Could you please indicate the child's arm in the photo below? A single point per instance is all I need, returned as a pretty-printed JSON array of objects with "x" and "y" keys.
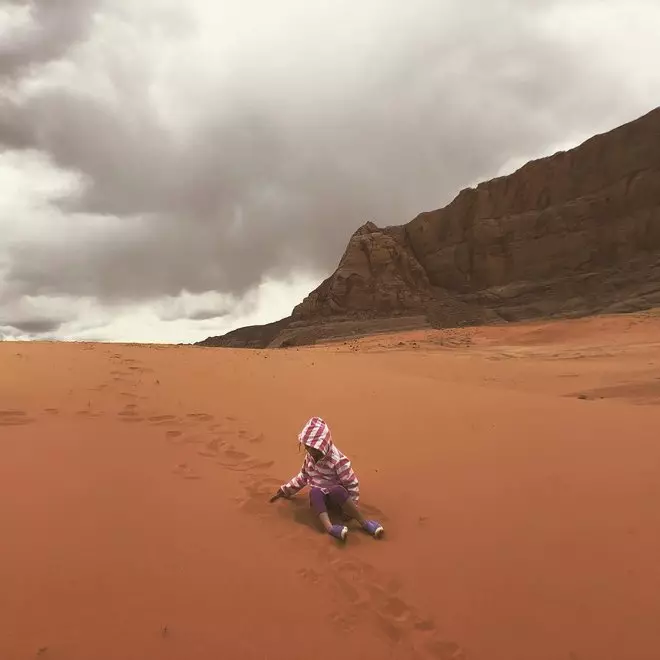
[
  {"x": 296, "y": 484},
  {"x": 348, "y": 479}
]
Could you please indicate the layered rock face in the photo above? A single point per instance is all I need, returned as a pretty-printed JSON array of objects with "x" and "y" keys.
[
  {"x": 558, "y": 228},
  {"x": 573, "y": 234},
  {"x": 377, "y": 276}
]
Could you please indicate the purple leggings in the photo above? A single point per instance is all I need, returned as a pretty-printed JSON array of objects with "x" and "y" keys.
[{"x": 335, "y": 498}]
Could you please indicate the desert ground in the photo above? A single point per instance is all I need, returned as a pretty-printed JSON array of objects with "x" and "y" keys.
[{"x": 516, "y": 471}]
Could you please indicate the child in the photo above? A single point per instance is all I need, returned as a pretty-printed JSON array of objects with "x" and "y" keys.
[{"x": 331, "y": 479}]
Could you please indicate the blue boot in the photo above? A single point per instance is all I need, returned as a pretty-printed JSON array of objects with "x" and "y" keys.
[
  {"x": 339, "y": 532},
  {"x": 374, "y": 528}
]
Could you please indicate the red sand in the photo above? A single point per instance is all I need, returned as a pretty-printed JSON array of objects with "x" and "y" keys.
[{"x": 522, "y": 522}]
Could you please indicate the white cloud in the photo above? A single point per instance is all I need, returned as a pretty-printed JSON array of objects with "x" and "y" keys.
[{"x": 166, "y": 320}]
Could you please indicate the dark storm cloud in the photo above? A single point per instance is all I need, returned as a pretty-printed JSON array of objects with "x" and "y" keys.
[
  {"x": 207, "y": 315},
  {"x": 55, "y": 26},
  {"x": 270, "y": 178},
  {"x": 32, "y": 326}
]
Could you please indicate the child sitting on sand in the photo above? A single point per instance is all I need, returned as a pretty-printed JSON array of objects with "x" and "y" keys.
[{"x": 331, "y": 479}]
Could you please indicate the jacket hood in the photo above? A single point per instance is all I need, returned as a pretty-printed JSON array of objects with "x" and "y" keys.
[{"x": 316, "y": 434}]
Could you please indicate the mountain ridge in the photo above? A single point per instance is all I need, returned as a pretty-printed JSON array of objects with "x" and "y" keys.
[{"x": 571, "y": 234}]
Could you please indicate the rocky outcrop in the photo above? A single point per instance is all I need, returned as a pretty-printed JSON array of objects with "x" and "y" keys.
[
  {"x": 377, "y": 276},
  {"x": 573, "y": 234},
  {"x": 253, "y": 336}
]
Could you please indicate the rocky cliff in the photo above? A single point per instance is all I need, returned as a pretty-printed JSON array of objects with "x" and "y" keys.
[{"x": 573, "y": 234}]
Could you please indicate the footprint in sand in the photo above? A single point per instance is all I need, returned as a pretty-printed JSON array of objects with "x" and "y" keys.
[
  {"x": 310, "y": 575},
  {"x": 140, "y": 370},
  {"x": 164, "y": 420},
  {"x": 200, "y": 417},
  {"x": 234, "y": 455},
  {"x": 239, "y": 461},
  {"x": 184, "y": 471},
  {"x": 130, "y": 414},
  {"x": 14, "y": 418},
  {"x": 132, "y": 420},
  {"x": 212, "y": 448}
]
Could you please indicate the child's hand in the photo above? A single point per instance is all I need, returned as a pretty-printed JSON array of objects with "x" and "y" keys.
[{"x": 277, "y": 495}]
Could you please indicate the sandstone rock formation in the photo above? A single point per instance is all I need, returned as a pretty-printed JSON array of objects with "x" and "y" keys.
[
  {"x": 572, "y": 234},
  {"x": 377, "y": 276}
]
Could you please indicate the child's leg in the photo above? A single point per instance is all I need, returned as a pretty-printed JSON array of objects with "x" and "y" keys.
[
  {"x": 350, "y": 509},
  {"x": 342, "y": 500},
  {"x": 318, "y": 503},
  {"x": 339, "y": 496}
]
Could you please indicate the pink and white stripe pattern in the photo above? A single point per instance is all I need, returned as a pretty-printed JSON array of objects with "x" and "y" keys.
[{"x": 334, "y": 469}]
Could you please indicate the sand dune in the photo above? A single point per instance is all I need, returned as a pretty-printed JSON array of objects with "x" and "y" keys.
[{"x": 515, "y": 470}]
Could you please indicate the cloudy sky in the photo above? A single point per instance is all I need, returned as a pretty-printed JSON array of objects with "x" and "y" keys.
[{"x": 172, "y": 170}]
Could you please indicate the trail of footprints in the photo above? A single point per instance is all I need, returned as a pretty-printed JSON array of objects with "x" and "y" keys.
[
  {"x": 371, "y": 596},
  {"x": 368, "y": 595},
  {"x": 126, "y": 373}
]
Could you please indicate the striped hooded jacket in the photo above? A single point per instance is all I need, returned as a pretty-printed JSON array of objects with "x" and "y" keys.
[{"x": 334, "y": 469}]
